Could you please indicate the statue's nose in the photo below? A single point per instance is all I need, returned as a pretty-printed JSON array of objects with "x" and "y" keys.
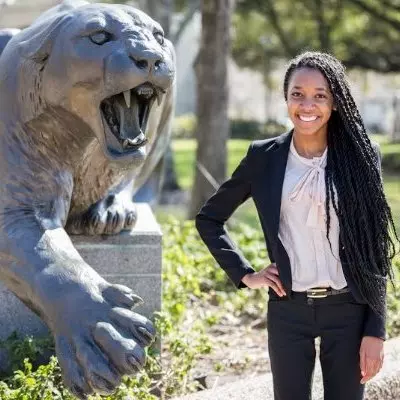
[{"x": 146, "y": 60}]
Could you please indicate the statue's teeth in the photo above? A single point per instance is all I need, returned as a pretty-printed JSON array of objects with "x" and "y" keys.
[
  {"x": 138, "y": 139},
  {"x": 127, "y": 95},
  {"x": 159, "y": 98},
  {"x": 134, "y": 142},
  {"x": 145, "y": 92}
]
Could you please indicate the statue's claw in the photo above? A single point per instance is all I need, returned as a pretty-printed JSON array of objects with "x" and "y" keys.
[
  {"x": 122, "y": 296},
  {"x": 107, "y": 217},
  {"x": 112, "y": 215}
]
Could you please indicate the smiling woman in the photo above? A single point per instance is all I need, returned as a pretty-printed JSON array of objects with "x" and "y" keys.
[{"x": 327, "y": 225}]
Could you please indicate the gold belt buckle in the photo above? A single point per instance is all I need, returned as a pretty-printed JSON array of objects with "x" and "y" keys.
[{"x": 317, "y": 293}]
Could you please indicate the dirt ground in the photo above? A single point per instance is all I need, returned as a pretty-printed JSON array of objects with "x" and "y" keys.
[{"x": 239, "y": 351}]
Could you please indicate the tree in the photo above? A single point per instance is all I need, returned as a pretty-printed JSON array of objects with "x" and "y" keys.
[
  {"x": 362, "y": 33},
  {"x": 395, "y": 134},
  {"x": 212, "y": 100}
]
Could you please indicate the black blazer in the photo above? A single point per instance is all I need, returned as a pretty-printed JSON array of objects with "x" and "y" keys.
[{"x": 260, "y": 175}]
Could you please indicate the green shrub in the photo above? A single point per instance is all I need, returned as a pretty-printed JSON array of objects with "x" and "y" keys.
[
  {"x": 156, "y": 380},
  {"x": 273, "y": 128},
  {"x": 184, "y": 126},
  {"x": 246, "y": 129},
  {"x": 391, "y": 162},
  {"x": 390, "y": 153},
  {"x": 37, "y": 350},
  {"x": 253, "y": 130}
]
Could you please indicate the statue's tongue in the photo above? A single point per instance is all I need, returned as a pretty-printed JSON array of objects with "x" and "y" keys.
[{"x": 128, "y": 118}]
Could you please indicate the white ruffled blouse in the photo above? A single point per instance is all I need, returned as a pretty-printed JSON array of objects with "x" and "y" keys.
[{"x": 302, "y": 227}]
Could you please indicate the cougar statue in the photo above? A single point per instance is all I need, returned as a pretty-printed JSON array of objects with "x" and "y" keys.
[{"x": 86, "y": 99}]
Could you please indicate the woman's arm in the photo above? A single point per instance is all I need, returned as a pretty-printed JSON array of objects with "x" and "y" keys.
[
  {"x": 371, "y": 348},
  {"x": 211, "y": 219},
  {"x": 375, "y": 323}
]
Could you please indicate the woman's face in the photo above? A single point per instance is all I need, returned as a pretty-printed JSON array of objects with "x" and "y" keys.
[{"x": 309, "y": 102}]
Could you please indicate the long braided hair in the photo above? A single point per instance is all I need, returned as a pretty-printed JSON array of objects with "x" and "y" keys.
[{"x": 354, "y": 186}]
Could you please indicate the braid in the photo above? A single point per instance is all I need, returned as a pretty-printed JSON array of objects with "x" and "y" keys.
[{"x": 354, "y": 186}]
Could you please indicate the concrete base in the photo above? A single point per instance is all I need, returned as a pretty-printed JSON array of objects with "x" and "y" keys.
[
  {"x": 130, "y": 258},
  {"x": 384, "y": 386}
]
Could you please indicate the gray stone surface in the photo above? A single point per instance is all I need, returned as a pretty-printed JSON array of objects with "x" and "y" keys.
[
  {"x": 384, "y": 386},
  {"x": 130, "y": 258}
]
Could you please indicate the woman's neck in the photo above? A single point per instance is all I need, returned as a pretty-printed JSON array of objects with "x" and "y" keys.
[{"x": 310, "y": 146}]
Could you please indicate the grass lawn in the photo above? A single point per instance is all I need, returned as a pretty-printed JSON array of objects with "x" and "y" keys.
[
  {"x": 386, "y": 147},
  {"x": 392, "y": 190},
  {"x": 185, "y": 153}
]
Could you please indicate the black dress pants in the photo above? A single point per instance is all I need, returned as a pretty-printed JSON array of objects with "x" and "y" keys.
[{"x": 293, "y": 325}]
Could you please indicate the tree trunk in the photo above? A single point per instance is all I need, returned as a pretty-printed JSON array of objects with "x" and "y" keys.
[
  {"x": 212, "y": 100},
  {"x": 396, "y": 121},
  {"x": 323, "y": 27},
  {"x": 161, "y": 11}
]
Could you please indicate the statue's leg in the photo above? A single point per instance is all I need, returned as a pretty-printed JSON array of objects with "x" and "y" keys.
[
  {"x": 111, "y": 215},
  {"x": 150, "y": 191},
  {"x": 98, "y": 337}
]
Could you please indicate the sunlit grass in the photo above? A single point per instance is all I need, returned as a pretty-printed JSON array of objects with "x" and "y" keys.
[
  {"x": 185, "y": 156},
  {"x": 392, "y": 190}
]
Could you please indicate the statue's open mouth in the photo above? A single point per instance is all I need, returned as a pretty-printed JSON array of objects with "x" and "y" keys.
[{"x": 127, "y": 113}]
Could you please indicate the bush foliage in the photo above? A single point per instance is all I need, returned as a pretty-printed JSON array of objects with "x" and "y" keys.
[{"x": 184, "y": 127}]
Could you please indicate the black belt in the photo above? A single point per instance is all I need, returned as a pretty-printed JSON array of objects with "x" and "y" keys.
[
  {"x": 322, "y": 296},
  {"x": 321, "y": 292}
]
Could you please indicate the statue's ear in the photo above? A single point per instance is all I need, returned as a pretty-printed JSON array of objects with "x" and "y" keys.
[
  {"x": 40, "y": 38},
  {"x": 5, "y": 36},
  {"x": 34, "y": 50}
]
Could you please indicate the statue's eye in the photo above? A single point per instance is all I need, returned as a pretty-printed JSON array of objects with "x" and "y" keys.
[
  {"x": 159, "y": 37},
  {"x": 100, "y": 37}
]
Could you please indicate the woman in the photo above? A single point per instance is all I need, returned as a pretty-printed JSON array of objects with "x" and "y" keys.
[{"x": 320, "y": 200}]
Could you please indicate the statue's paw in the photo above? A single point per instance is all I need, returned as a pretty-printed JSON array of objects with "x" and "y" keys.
[
  {"x": 85, "y": 369},
  {"x": 111, "y": 216},
  {"x": 104, "y": 344}
]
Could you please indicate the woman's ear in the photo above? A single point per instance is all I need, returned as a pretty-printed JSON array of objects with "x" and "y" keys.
[{"x": 334, "y": 108}]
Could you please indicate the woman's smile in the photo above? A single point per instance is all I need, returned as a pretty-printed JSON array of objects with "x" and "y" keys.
[{"x": 308, "y": 118}]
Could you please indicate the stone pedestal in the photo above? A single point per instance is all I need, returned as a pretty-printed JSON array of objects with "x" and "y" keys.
[{"x": 130, "y": 258}]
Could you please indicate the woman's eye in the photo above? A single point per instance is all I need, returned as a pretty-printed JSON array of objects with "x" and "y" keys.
[
  {"x": 100, "y": 37},
  {"x": 159, "y": 37},
  {"x": 296, "y": 94},
  {"x": 320, "y": 96}
]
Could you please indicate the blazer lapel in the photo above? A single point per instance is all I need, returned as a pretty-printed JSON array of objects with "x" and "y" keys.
[{"x": 276, "y": 167}]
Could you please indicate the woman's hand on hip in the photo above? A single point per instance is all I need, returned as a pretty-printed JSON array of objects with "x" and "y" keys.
[
  {"x": 267, "y": 277},
  {"x": 371, "y": 357}
]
